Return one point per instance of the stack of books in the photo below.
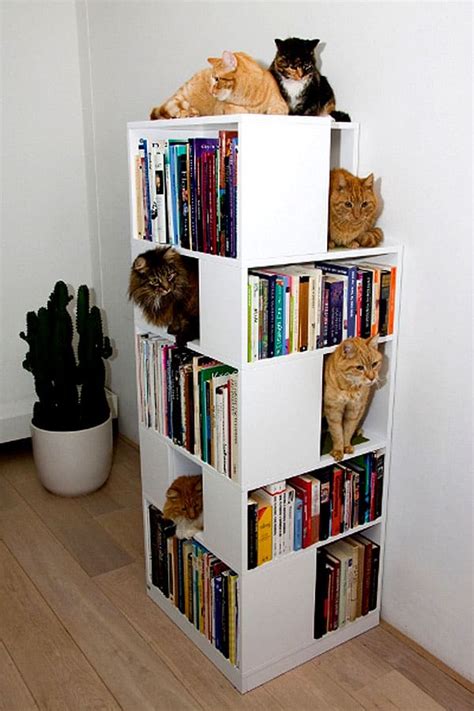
(186, 192)
(190, 398)
(293, 514)
(302, 307)
(200, 585)
(347, 573)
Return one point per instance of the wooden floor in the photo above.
(77, 630)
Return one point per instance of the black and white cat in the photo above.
(304, 89)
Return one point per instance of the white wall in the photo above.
(45, 232)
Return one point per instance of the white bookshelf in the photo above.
(282, 198)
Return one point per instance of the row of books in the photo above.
(200, 585)
(302, 307)
(190, 398)
(186, 192)
(347, 573)
(289, 515)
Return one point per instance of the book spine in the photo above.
(374, 576)
(391, 303)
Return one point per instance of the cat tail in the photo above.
(340, 116)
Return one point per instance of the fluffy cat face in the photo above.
(295, 58)
(156, 269)
(352, 200)
(184, 498)
(358, 361)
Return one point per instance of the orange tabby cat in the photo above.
(353, 208)
(183, 505)
(349, 373)
(235, 83)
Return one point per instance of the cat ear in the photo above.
(229, 60)
(348, 349)
(313, 43)
(373, 341)
(172, 494)
(369, 181)
(278, 43)
(139, 264)
(213, 60)
(198, 486)
(341, 181)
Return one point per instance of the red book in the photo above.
(308, 486)
(336, 502)
(391, 300)
(373, 487)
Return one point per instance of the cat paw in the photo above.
(186, 530)
(354, 245)
(337, 454)
(348, 449)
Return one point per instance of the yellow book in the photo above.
(264, 529)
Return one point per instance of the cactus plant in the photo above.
(71, 394)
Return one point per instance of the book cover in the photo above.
(309, 486)
(252, 518)
(298, 525)
(367, 544)
(321, 585)
(378, 464)
(204, 375)
(374, 576)
(366, 307)
(271, 288)
(335, 590)
(391, 302)
(349, 271)
(325, 477)
(264, 529)
(224, 138)
(385, 278)
(336, 501)
(335, 287)
(359, 549)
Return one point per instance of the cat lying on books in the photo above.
(165, 285)
(183, 505)
(233, 84)
(349, 373)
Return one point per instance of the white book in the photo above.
(217, 440)
(234, 427)
(253, 316)
(226, 432)
(159, 191)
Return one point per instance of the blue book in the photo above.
(351, 273)
(298, 522)
(335, 313)
(176, 148)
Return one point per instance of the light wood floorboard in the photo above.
(77, 629)
(14, 694)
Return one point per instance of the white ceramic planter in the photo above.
(73, 463)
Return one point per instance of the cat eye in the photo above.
(375, 364)
(348, 203)
(360, 367)
(364, 204)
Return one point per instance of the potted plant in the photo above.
(71, 426)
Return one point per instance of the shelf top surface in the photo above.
(211, 121)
